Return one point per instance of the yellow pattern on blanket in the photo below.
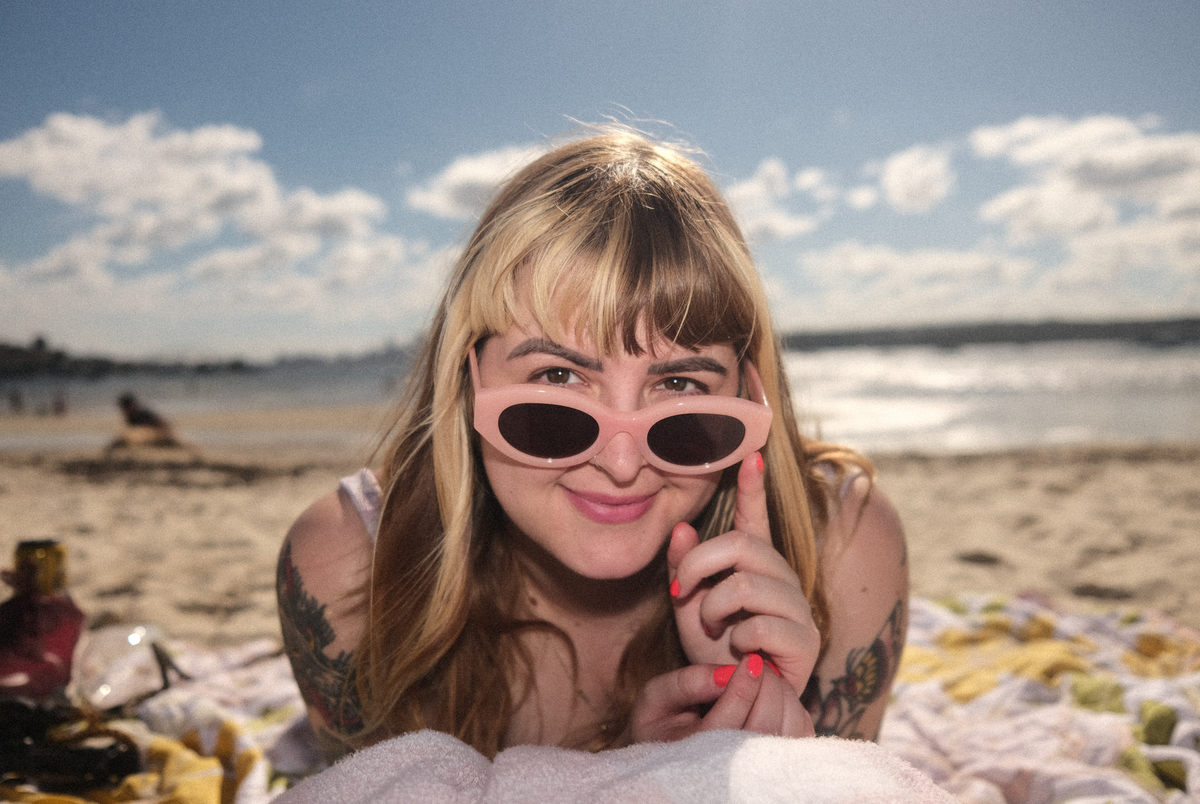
(1009, 700)
(971, 661)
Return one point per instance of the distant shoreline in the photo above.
(1163, 332)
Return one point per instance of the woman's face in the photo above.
(607, 518)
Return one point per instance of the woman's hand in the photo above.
(736, 595)
(748, 697)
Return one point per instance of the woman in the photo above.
(553, 555)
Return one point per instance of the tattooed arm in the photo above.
(323, 568)
(865, 569)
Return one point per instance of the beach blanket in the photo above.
(1012, 701)
(997, 700)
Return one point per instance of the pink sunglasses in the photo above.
(544, 426)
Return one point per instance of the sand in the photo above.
(189, 543)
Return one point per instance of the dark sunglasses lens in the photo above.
(548, 431)
(694, 439)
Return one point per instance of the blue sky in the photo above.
(252, 178)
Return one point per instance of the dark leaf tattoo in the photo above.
(326, 683)
(869, 673)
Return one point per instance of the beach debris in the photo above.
(61, 749)
(981, 558)
(1098, 592)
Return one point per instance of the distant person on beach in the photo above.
(143, 427)
(596, 522)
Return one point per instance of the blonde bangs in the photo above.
(620, 262)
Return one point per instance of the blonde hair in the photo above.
(623, 234)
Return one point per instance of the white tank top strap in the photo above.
(364, 492)
(852, 473)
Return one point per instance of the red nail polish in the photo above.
(774, 668)
(674, 587)
(760, 462)
(722, 675)
(755, 665)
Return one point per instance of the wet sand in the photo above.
(187, 541)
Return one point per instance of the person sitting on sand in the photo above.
(143, 427)
(597, 522)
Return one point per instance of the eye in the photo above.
(557, 376)
(682, 385)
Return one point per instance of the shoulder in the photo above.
(330, 535)
(324, 566)
(864, 529)
(864, 560)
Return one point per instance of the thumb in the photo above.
(750, 510)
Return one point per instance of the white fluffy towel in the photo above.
(716, 766)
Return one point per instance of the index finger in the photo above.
(750, 508)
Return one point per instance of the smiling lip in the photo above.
(609, 510)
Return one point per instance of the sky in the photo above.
(254, 179)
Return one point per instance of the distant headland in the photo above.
(39, 359)
(1162, 332)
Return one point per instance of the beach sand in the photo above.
(189, 544)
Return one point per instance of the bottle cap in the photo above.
(42, 564)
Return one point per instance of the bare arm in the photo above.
(865, 569)
(323, 568)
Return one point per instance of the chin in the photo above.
(617, 562)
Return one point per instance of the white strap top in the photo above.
(364, 492)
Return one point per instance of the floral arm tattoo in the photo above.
(326, 683)
(869, 673)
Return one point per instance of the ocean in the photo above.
(877, 399)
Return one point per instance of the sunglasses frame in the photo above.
(755, 414)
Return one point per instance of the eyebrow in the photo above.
(687, 364)
(549, 347)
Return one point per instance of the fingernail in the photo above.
(674, 587)
(755, 665)
(759, 462)
(774, 669)
(722, 675)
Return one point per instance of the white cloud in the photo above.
(189, 223)
(462, 191)
(189, 230)
(918, 179)
(1112, 206)
(852, 284)
(862, 197)
(815, 182)
(759, 201)
(1054, 208)
(1117, 195)
(883, 266)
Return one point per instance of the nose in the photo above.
(621, 458)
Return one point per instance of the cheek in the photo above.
(698, 491)
(514, 483)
